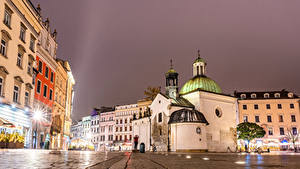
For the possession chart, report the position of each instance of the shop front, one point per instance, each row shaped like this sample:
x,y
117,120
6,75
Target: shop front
x,y
16,120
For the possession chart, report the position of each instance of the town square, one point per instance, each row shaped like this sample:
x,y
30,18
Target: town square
x,y
149,84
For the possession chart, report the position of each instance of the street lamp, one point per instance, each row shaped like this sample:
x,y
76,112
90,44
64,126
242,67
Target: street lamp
x,y
37,117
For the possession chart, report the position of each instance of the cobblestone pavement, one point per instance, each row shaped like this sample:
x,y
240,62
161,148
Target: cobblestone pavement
x,y
49,159
125,160
213,161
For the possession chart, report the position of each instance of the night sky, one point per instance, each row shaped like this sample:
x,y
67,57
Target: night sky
x,y
117,48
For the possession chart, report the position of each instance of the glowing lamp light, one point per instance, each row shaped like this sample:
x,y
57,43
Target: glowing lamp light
x,y
205,158
240,162
38,115
188,157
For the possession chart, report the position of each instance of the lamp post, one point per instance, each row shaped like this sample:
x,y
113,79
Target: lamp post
x,y
37,117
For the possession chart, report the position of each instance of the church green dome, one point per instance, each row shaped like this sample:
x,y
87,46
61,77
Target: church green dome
x,y
202,83
199,60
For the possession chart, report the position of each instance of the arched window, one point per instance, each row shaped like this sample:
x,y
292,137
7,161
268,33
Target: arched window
x,y
266,95
277,95
253,96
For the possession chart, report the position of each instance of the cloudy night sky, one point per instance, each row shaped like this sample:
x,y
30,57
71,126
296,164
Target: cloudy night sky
x,y
117,48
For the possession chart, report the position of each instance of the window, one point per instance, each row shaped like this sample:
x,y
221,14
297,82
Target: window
x,y
26,98
121,129
294,130
29,67
125,128
257,119
280,118
125,138
117,121
22,32
160,131
16,94
125,121
40,66
277,95
7,16
268,106
130,137
116,138
293,118
245,107
51,77
130,128
243,96
19,59
218,113
45,90
38,86
292,106
255,106
269,118
1,86
47,72
245,118
32,43
253,96
270,131
281,129
120,138
160,117
266,95
121,121
279,106
50,94
116,129
3,47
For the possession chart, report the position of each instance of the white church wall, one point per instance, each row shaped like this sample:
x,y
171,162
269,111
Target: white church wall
x,y
185,137
219,136
141,128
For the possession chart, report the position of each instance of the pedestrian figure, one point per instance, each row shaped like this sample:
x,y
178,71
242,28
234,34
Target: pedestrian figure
x,y
136,141
119,148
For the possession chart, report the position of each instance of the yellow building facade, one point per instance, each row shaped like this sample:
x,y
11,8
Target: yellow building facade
x,y
59,106
276,111
20,27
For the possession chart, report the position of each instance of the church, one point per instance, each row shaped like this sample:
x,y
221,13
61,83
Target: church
x,y
198,117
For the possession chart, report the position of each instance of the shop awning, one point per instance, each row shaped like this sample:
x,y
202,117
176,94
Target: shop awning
x,y
6,123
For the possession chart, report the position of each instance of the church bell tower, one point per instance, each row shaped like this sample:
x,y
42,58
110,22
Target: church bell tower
x,y
172,82
199,66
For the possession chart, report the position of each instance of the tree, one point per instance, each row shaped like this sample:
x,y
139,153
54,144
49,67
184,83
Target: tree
x,y
249,131
293,137
151,92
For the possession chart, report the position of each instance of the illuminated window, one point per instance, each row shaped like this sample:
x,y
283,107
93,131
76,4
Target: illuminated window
x,y
245,118
280,118
270,131
277,95
253,96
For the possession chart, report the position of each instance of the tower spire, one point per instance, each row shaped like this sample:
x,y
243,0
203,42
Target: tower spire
x,y
198,53
171,64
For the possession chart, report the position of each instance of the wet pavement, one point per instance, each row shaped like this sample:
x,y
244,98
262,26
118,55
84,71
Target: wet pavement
x,y
125,160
